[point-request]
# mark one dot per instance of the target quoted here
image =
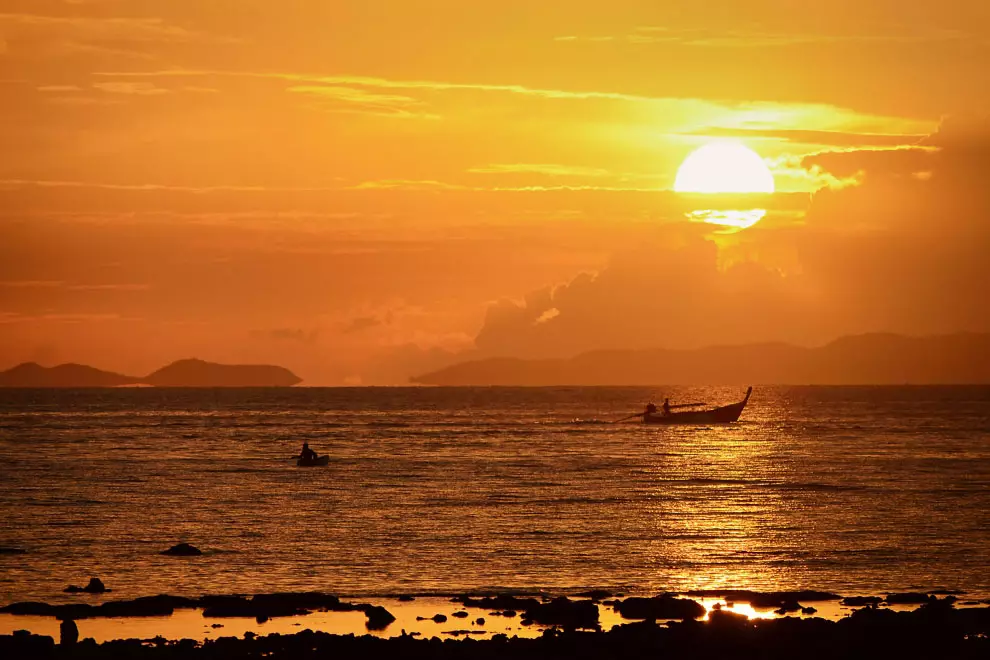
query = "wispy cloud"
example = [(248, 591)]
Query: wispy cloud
[(548, 169), (58, 89), (351, 99), (154, 187), (383, 83), (703, 37), (831, 138), (59, 284), (131, 87), (91, 29), (404, 184)]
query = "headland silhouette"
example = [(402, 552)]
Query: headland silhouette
[(871, 359), (182, 373)]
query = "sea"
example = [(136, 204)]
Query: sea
[(856, 490)]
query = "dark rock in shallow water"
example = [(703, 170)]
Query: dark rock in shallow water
[(378, 617), (499, 602), (909, 598), (770, 599), (861, 601), (595, 594), (406, 599), (727, 619), (183, 550), (237, 606), (664, 606), (95, 586), (480, 621), (808, 610), (460, 614), (564, 612), (439, 618), (788, 606)]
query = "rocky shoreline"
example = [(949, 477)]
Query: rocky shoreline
[(934, 630), (663, 625)]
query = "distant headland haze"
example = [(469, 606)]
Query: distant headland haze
[(182, 373), (871, 359)]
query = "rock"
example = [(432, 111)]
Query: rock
[(909, 598), (664, 606), (480, 621), (861, 601), (68, 633), (95, 586), (261, 618), (378, 617), (499, 602), (788, 606), (406, 599), (595, 594), (808, 610), (183, 550), (565, 613), (439, 618), (460, 614), (725, 619), (771, 599)]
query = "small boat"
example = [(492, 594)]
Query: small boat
[(316, 462), (721, 415)]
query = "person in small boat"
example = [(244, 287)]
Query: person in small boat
[(651, 409), (666, 407), (307, 454)]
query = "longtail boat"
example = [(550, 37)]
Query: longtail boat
[(720, 415)]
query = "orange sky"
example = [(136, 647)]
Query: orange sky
[(363, 190)]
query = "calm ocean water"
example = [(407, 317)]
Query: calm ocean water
[(856, 490)]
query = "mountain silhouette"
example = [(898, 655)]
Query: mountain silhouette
[(197, 373), (31, 374), (872, 359), (183, 373)]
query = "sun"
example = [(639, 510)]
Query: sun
[(724, 167)]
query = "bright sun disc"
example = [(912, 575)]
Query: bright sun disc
[(724, 167)]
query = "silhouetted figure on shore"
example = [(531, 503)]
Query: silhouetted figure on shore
[(68, 632), (307, 454)]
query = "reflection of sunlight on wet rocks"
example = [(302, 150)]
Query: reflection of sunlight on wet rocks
[(732, 219)]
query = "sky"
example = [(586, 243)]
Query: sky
[(365, 190)]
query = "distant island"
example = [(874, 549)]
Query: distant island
[(183, 373), (871, 359)]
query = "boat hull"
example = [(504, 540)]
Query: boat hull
[(319, 462), (721, 415)]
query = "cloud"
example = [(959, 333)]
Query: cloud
[(136, 88), (97, 30), (289, 335), (533, 168), (891, 251), (361, 324), (708, 38), (830, 138), (56, 89), (350, 99), (385, 83)]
